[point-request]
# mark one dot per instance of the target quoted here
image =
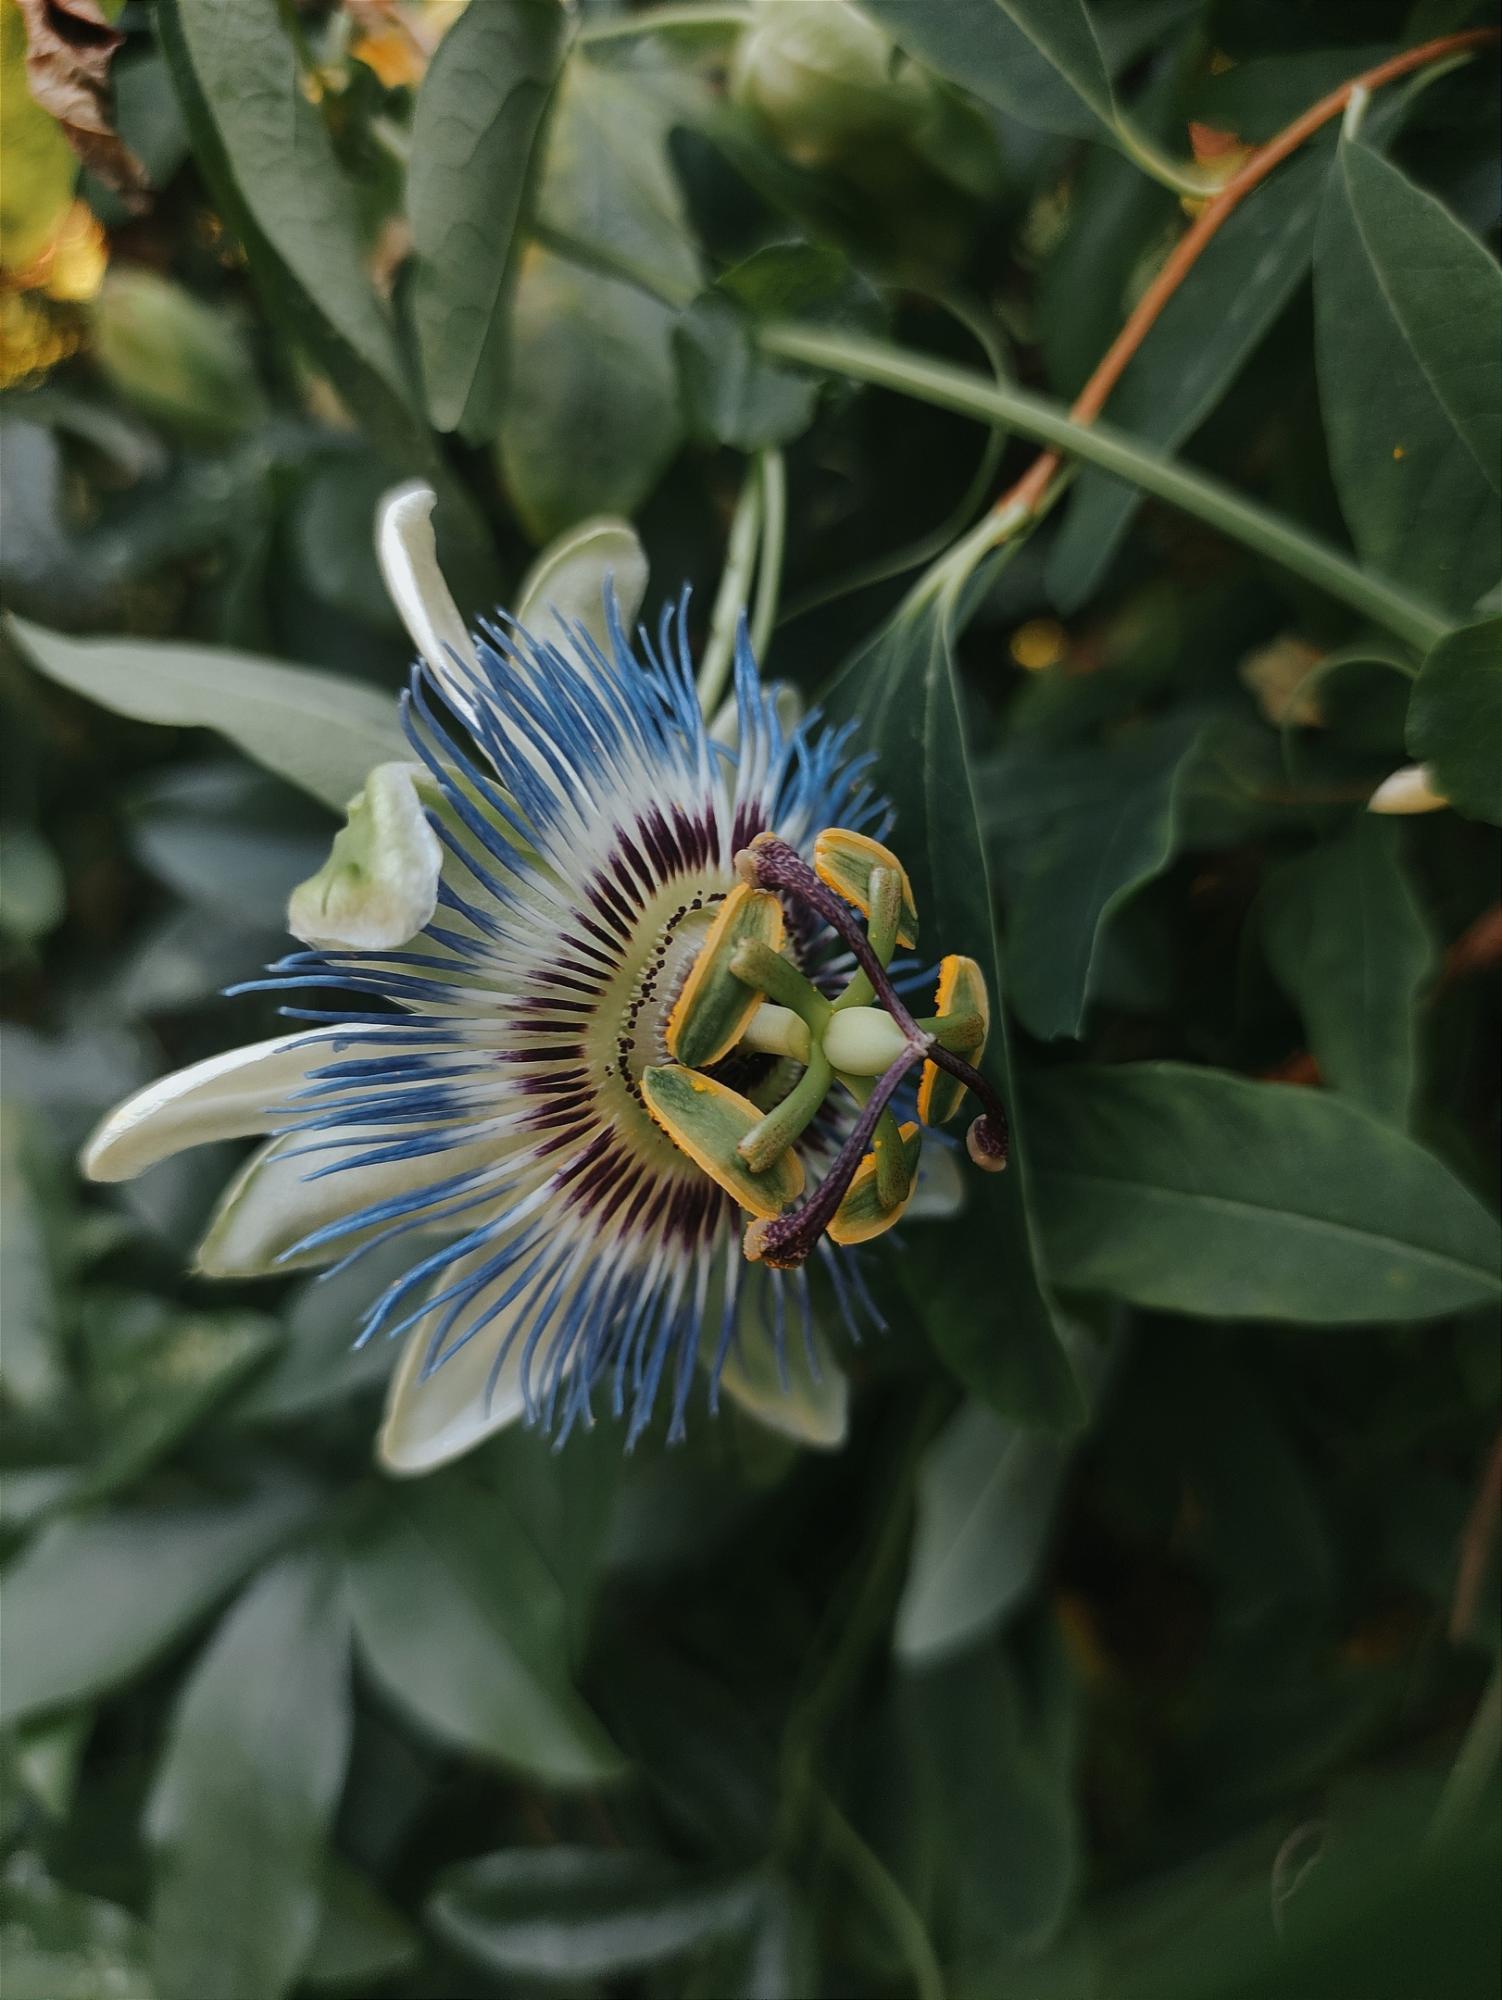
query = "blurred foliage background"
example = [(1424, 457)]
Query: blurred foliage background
[(1141, 1638)]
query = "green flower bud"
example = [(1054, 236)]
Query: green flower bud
[(825, 79), (379, 886), (174, 357)]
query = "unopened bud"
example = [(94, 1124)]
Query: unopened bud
[(174, 357)]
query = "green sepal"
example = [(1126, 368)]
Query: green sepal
[(788, 1120), (845, 862), (707, 1121), (963, 1023)]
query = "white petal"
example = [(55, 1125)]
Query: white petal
[(812, 1412), (568, 580), (941, 1185), (428, 1423), (1408, 790), (408, 555), (224, 1097), (379, 886), (272, 1203), (787, 701)]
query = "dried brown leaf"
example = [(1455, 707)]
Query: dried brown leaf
[(69, 47)]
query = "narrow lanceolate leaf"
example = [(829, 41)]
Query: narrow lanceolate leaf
[(461, 1622), (1409, 324), (993, 1750), (476, 137), (253, 1770), (319, 731), (1348, 943), (1037, 60), (987, 1490), (1201, 1192), (580, 1913), (1455, 719), (285, 171), (94, 1598), (808, 1400), (974, 1280), (1202, 340)]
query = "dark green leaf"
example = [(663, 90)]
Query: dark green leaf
[(282, 159), (609, 187), (993, 1762), (331, 540), (461, 1622), (1455, 719), (579, 1913), (1207, 1193), (58, 1945), (45, 1758), (361, 1940), (476, 135), (987, 1490), (600, 419), (227, 838), (1078, 833), (1348, 941), (565, 1520), (733, 396), (298, 318), (33, 892), (31, 1359), (319, 1365), (1037, 60), (93, 1600), (901, 687), (242, 1803), (1256, 99), (777, 1958), (1412, 407), (153, 1389), (1199, 344)]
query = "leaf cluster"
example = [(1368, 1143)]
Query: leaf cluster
[(1141, 1638)]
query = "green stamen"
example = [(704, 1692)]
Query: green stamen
[(867, 1040), (881, 934), (787, 1122), (777, 1031), (756, 964), (893, 1181)]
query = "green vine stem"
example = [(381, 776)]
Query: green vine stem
[(774, 500), (686, 19), (1179, 178), (884, 1894), (1112, 451), (735, 589)]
